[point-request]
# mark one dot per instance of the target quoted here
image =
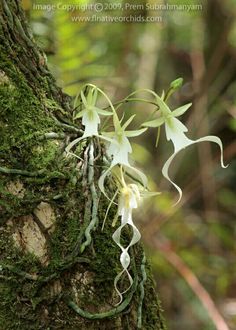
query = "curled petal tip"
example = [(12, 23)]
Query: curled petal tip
[(215, 139), (222, 163), (179, 199)]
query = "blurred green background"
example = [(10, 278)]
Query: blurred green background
[(192, 246)]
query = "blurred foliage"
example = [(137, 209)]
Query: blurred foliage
[(200, 46)]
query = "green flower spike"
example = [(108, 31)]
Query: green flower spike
[(175, 131)]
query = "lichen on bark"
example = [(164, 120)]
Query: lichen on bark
[(37, 181)]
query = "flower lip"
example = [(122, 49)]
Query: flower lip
[(129, 197)]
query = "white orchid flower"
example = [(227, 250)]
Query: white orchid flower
[(90, 113), (90, 116), (175, 131), (120, 148), (129, 199)]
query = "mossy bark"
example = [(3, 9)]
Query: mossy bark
[(46, 205)]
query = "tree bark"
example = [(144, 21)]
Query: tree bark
[(56, 265)]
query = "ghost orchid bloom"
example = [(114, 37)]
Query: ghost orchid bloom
[(128, 200), (175, 131), (90, 115), (120, 148)]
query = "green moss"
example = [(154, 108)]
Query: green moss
[(15, 314), (16, 290), (21, 125), (23, 121), (152, 311), (69, 224), (105, 265), (43, 154)]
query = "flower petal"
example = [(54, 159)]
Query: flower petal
[(181, 110), (116, 282), (215, 139), (119, 150), (209, 138), (141, 177), (103, 112), (83, 99), (90, 97), (135, 172), (111, 134), (175, 132), (91, 121), (126, 124), (149, 193), (163, 106), (124, 257), (90, 117), (116, 122), (165, 172), (154, 123), (94, 97), (101, 181), (135, 132), (106, 138), (80, 114)]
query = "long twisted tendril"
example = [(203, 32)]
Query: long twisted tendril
[(128, 200)]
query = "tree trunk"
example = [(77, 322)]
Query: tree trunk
[(56, 265)]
